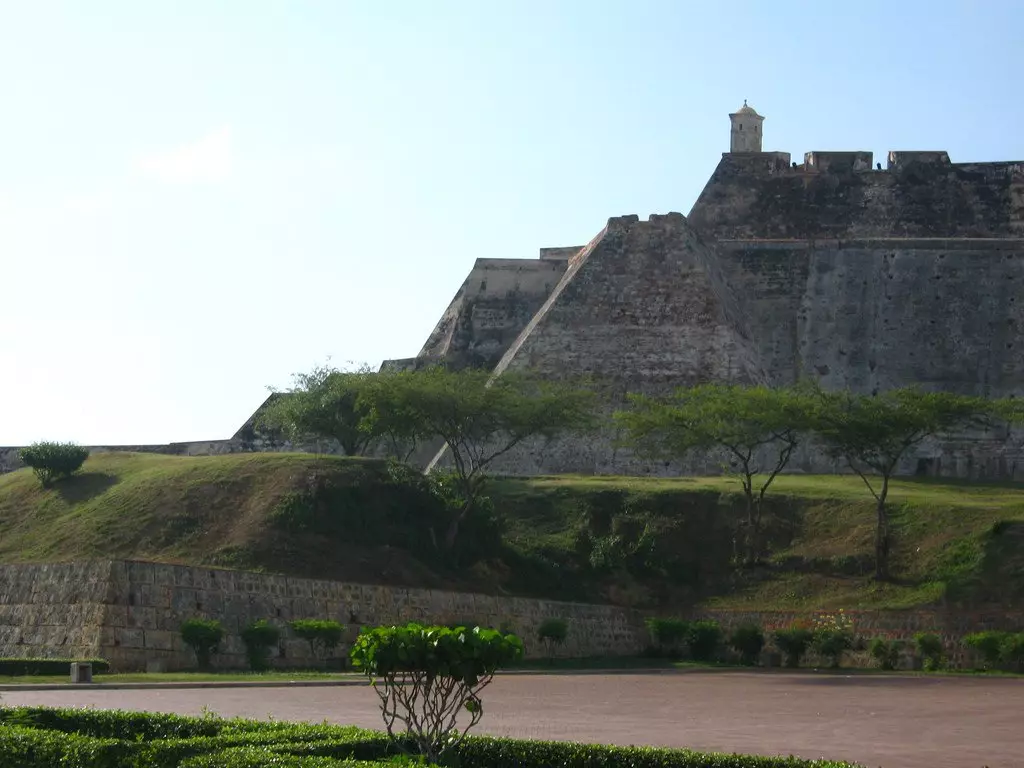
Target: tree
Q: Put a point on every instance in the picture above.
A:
(203, 636)
(479, 418)
(553, 632)
(259, 637)
(322, 635)
(751, 425)
(873, 433)
(325, 403)
(426, 676)
(53, 461)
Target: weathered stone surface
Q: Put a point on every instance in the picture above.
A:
(41, 613)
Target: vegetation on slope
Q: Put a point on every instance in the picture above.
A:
(629, 540)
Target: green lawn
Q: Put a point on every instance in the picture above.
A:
(642, 542)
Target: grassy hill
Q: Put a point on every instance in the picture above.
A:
(627, 540)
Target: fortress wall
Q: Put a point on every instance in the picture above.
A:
(130, 612)
(876, 314)
(495, 302)
(9, 460)
(920, 196)
(53, 611)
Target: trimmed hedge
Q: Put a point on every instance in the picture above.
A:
(35, 667)
(254, 757)
(35, 737)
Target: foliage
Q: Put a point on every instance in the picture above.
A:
(1011, 651)
(203, 636)
(885, 652)
(749, 424)
(259, 637)
(112, 739)
(748, 641)
(479, 418)
(44, 667)
(833, 635)
(793, 641)
(53, 461)
(988, 644)
(429, 675)
(321, 634)
(325, 403)
(929, 646)
(553, 632)
(703, 638)
(668, 634)
(872, 433)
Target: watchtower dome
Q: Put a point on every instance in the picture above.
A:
(745, 135)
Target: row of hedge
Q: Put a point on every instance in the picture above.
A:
(41, 737)
(36, 667)
(830, 636)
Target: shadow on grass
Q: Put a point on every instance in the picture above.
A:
(84, 486)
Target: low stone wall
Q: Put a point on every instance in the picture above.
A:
(130, 613)
(53, 611)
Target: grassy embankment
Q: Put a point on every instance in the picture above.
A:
(628, 540)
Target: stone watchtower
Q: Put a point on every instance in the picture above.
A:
(746, 130)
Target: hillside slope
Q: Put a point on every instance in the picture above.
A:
(626, 540)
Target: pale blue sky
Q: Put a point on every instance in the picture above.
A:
(199, 198)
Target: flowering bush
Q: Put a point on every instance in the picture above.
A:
(833, 634)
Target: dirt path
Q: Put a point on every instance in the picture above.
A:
(893, 722)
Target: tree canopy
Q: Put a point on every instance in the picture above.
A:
(755, 428)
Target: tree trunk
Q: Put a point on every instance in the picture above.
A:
(882, 534)
(452, 534)
(751, 543)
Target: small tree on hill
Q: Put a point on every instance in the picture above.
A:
(479, 418)
(873, 433)
(53, 461)
(750, 425)
(325, 403)
(203, 636)
(426, 677)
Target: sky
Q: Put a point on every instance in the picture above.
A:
(199, 199)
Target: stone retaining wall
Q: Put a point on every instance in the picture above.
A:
(130, 612)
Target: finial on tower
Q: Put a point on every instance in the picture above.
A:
(745, 135)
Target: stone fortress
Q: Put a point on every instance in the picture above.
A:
(837, 269)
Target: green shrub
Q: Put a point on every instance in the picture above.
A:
(430, 675)
(704, 638)
(203, 636)
(553, 632)
(75, 738)
(793, 642)
(52, 461)
(833, 635)
(262, 757)
(322, 635)
(668, 635)
(38, 667)
(748, 641)
(929, 646)
(988, 644)
(259, 637)
(1011, 651)
(885, 652)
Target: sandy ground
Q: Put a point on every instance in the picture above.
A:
(893, 722)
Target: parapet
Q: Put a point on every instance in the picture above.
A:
(563, 253)
(838, 161)
(900, 159)
(757, 162)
